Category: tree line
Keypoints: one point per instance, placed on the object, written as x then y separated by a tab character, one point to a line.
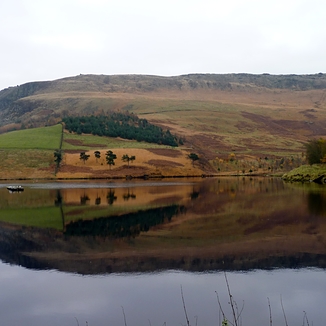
110	157
125	125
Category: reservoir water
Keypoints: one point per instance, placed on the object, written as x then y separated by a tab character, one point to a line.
117	253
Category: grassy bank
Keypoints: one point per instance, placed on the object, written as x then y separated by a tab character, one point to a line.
305	173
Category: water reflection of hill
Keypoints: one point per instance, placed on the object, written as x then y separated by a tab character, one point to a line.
230	223
38	249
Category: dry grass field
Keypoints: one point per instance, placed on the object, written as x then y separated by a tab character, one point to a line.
26	164
149	162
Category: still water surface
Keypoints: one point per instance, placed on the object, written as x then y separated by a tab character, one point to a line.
54	298
272	225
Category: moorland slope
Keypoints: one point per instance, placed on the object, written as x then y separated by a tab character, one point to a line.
247	116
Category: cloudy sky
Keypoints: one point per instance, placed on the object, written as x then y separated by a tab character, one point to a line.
51	39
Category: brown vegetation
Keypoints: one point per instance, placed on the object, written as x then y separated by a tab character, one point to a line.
148	163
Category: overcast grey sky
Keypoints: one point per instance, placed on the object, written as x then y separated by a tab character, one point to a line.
51	39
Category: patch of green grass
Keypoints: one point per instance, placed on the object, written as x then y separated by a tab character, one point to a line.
87	142
195	115
305	173
43	217
36	138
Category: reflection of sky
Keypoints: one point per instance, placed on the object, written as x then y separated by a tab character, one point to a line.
98	184
53	298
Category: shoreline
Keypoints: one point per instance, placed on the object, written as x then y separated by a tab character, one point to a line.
148	177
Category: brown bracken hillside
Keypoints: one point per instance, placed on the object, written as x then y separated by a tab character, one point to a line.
247	115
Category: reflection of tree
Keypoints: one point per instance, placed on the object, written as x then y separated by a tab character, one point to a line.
58	199
128	225
194	195
97	200
58	203
317	203
111	197
129	195
84	199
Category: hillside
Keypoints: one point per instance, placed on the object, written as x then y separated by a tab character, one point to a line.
29	154
247	115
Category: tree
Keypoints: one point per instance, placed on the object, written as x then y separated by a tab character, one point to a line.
97	155
316	151
84	157
57	157
127	158
110	157
194	157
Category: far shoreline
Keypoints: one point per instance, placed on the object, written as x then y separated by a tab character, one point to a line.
147	177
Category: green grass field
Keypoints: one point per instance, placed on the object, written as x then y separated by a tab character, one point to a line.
87	142
36	138
48	138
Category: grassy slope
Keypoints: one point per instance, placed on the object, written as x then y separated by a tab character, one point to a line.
37	138
149	161
218	114
28	154
150	158
271	124
87	142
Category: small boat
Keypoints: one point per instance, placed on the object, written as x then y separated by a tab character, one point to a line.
15	188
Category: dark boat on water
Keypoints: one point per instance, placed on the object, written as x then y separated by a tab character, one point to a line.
15	188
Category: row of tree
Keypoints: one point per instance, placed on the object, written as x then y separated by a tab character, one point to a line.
110	157
125	125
